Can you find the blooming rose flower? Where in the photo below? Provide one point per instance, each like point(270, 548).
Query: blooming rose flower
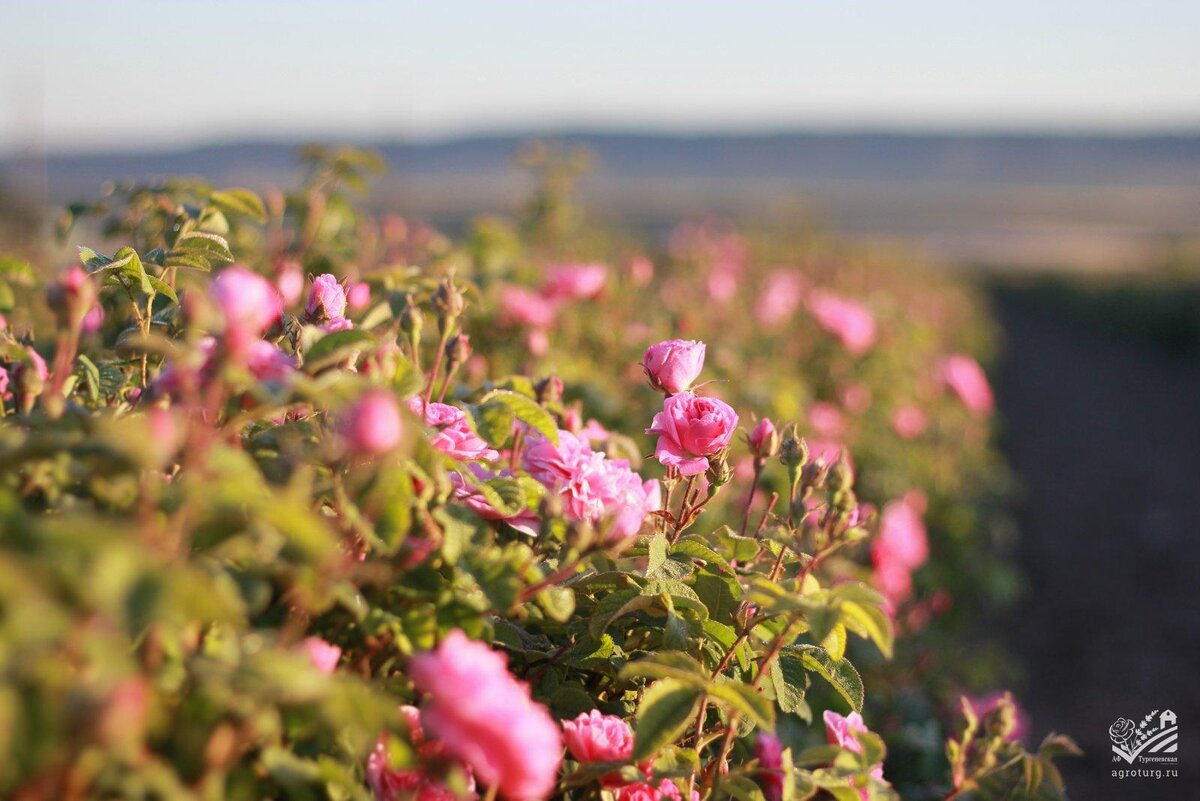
point(528, 308)
point(593, 487)
point(524, 521)
point(769, 751)
point(967, 380)
point(487, 718)
point(389, 784)
point(840, 731)
point(267, 362)
point(247, 300)
point(289, 281)
point(850, 321)
point(574, 281)
point(454, 436)
point(690, 429)
point(596, 737)
point(326, 299)
point(372, 424)
point(323, 655)
point(909, 421)
point(336, 324)
point(673, 365)
point(666, 790)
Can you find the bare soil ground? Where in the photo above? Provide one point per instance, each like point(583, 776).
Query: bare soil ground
point(1104, 434)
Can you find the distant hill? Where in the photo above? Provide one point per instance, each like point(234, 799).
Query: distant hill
point(980, 197)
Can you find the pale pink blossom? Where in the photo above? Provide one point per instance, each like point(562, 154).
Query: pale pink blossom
point(93, 320)
point(358, 296)
point(909, 421)
point(524, 521)
point(900, 547)
point(850, 321)
point(528, 308)
point(574, 281)
point(672, 366)
point(826, 419)
point(454, 436)
point(336, 324)
point(326, 299)
point(967, 380)
point(841, 731)
point(779, 297)
point(248, 302)
point(641, 271)
point(487, 718)
point(666, 790)
point(289, 281)
point(324, 656)
point(690, 429)
point(372, 424)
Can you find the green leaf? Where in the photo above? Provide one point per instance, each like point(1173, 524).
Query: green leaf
point(162, 287)
point(188, 261)
point(693, 547)
point(8, 301)
point(524, 409)
point(839, 673)
point(17, 271)
point(789, 680)
point(334, 347)
point(127, 264)
point(872, 622)
point(240, 201)
point(559, 602)
point(212, 247)
point(667, 707)
point(668, 665)
point(745, 699)
point(91, 376)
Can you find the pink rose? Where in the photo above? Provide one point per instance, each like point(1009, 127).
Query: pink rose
point(267, 362)
point(840, 731)
point(326, 299)
point(247, 300)
point(487, 718)
point(527, 308)
point(358, 295)
point(574, 281)
point(900, 547)
point(372, 424)
point(779, 297)
point(323, 655)
point(666, 790)
point(690, 429)
point(909, 421)
point(848, 320)
point(289, 281)
point(524, 521)
point(596, 737)
point(336, 324)
point(389, 784)
point(93, 320)
point(673, 365)
point(592, 486)
point(826, 419)
point(967, 380)
point(764, 439)
point(454, 436)
point(769, 751)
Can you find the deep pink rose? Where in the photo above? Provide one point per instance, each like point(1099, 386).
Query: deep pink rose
point(93, 320)
point(574, 281)
point(323, 655)
point(527, 308)
point(673, 365)
point(487, 718)
point(764, 439)
point(850, 321)
point(691, 428)
point(596, 737)
point(967, 380)
point(454, 436)
point(247, 300)
point(326, 299)
point(909, 421)
point(592, 486)
point(769, 751)
point(372, 424)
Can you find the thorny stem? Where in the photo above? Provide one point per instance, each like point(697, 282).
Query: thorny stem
point(685, 508)
point(750, 500)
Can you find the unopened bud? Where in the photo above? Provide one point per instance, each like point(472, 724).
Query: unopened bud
point(458, 350)
point(719, 471)
point(70, 296)
point(411, 321)
point(764, 439)
point(793, 451)
point(841, 477)
point(549, 389)
point(448, 300)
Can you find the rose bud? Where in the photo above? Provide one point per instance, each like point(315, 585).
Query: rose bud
point(326, 300)
point(764, 439)
point(673, 365)
point(372, 424)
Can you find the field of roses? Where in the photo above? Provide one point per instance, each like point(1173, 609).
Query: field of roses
point(303, 502)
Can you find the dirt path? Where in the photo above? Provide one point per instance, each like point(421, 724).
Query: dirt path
point(1105, 437)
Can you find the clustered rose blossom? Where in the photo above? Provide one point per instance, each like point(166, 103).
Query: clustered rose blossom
point(901, 546)
point(372, 424)
point(840, 731)
point(592, 486)
point(768, 749)
point(967, 380)
point(850, 321)
point(454, 436)
point(486, 718)
point(674, 365)
point(690, 429)
point(323, 655)
point(596, 737)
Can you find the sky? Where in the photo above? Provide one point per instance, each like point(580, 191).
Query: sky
point(83, 75)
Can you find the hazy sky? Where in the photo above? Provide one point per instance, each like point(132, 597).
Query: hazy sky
point(97, 75)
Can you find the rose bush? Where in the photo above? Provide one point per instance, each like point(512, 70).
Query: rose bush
point(257, 541)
